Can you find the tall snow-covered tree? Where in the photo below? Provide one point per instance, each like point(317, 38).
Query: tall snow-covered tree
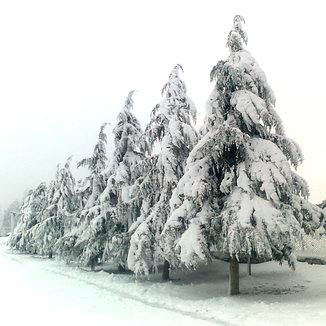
point(120, 201)
point(171, 129)
point(73, 245)
point(60, 211)
point(239, 195)
point(30, 215)
point(96, 164)
point(106, 237)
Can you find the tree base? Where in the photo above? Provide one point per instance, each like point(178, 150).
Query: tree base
point(166, 271)
point(249, 266)
point(121, 269)
point(234, 277)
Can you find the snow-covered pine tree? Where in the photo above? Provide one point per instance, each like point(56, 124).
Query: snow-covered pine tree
point(74, 245)
point(239, 195)
point(96, 164)
point(22, 221)
point(65, 246)
point(30, 215)
point(171, 128)
point(120, 201)
point(60, 211)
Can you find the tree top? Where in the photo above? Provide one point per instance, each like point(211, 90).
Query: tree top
point(129, 103)
point(237, 35)
point(175, 84)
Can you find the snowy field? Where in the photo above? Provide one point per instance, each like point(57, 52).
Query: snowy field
point(37, 291)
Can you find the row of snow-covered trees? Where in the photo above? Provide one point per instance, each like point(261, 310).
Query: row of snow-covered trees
point(118, 213)
point(170, 196)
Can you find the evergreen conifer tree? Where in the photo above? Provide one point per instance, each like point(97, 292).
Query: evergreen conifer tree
point(120, 201)
point(60, 211)
point(30, 215)
point(239, 195)
point(171, 128)
point(76, 244)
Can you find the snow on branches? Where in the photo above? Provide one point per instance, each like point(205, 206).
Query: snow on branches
point(169, 197)
point(239, 196)
point(171, 128)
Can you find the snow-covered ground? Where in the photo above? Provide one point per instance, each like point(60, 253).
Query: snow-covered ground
point(36, 291)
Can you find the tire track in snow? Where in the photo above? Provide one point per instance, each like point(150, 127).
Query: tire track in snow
point(128, 296)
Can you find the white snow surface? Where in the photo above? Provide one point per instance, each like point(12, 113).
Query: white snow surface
point(37, 291)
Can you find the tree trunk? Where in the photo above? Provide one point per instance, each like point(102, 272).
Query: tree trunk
point(50, 254)
point(121, 269)
point(92, 264)
point(166, 271)
point(234, 276)
point(249, 266)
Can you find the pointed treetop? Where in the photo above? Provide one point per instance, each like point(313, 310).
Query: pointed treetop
point(175, 86)
point(67, 165)
point(237, 35)
point(129, 103)
point(102, 135)
point(175, 71)
point(97, 162)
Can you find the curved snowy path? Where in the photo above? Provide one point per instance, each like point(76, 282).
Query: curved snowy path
point(35, 292)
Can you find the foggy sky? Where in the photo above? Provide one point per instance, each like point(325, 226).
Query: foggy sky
point(67, 66)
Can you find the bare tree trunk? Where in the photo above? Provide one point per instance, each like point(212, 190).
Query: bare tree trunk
point(249, 266)
point(166, 271)
point(234, 276)
point(50, 254)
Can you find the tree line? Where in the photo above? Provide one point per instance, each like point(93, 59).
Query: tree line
point(171, 196)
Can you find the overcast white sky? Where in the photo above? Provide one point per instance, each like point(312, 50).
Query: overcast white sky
point(67, 66)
